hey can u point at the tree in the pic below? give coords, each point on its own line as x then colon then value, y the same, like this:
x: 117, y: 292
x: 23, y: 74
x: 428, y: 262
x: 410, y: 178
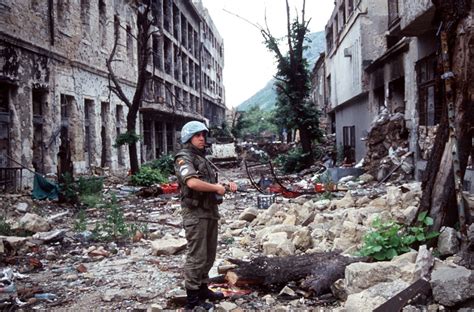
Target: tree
x: 145, y: 22
x: 254, y: 122
x: 442, y: 197
x: 294, y: 110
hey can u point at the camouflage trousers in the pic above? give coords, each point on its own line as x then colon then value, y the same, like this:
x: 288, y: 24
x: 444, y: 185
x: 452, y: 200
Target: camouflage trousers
x: 201, y: 235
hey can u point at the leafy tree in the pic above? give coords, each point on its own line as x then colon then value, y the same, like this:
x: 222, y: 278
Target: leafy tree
x: 145, y: 21
x: 294, y: 110
x: 254, y: 122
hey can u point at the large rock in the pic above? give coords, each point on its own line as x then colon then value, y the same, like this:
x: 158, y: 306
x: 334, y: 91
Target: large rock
x: 249, y: 214
x: 278, y: 244
x: 302, y: 239
x: 167, y: 246
x: 33, y: 223
x: 346, y: 202
x: 448, y: 243
x: 288, y: 229
x: 451, y: 284
x: 361, y: 275
x: 374, y: 296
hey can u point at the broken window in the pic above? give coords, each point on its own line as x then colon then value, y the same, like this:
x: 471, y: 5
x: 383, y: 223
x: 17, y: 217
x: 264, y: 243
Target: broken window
x: 169, y: 94
x: 85, y: 17
x: 185, y: 75
x: 169, y: 137
x: 104, y: 134
x: 429, y: 104
x: 64, y: 154
x: 177, y: 64
x: 168, y: 55
x: 159, y: 150
x: 117, y: 28
x: 102, y: 23
x: 147, y: 132
x: 129, y: 43
x: 167, y: 15
x: 39, y: 101
x: 184, y: 28
x: 63, y: 8
x: 157, y: 52
x: 329, y: 38
x: 118, y: 127
x: 88, y: 123
x: 4, y: 125
x: 348, y: 143
x: 393, y: 14
x: 176, y: 22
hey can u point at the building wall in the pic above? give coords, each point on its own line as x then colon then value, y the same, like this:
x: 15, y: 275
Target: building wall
x: 354, y: 39
x: 48, y: 61
x: 354, y: 115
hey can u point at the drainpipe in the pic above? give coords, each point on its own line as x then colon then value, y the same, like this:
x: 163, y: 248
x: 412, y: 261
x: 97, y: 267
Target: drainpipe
x: 51, y: 20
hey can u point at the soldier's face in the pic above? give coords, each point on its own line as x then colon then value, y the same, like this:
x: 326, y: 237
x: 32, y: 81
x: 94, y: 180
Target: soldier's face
x: 199, y: 140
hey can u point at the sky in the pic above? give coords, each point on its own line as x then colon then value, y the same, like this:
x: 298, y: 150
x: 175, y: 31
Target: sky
x: 248, y: 65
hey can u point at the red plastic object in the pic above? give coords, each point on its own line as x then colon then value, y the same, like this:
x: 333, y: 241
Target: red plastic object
x: 169, y: 188
x: 319, y: 187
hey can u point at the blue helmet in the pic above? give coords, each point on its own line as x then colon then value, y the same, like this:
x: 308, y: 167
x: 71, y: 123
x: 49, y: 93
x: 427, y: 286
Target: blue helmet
x: 190, y: 129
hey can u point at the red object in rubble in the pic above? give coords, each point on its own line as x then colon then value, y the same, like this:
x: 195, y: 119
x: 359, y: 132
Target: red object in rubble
x: 169, y: 188
x: 319, y: 187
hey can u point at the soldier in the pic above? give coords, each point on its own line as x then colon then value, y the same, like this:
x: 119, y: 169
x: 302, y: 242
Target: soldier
x: 200, y: 194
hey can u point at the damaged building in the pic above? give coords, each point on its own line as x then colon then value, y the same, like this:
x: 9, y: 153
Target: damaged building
x: 56, y: 107
x: 384, y: 89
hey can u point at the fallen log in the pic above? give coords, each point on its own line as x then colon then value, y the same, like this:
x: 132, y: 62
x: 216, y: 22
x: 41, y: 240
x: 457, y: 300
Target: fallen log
x: 320, y: 270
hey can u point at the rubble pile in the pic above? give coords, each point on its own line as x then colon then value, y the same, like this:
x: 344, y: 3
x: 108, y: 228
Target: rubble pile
x: 386, y: 145
x: 53, y: 265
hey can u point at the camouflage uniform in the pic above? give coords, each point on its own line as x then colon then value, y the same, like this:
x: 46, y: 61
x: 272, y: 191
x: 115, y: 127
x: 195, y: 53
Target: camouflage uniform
x: 200, y: 215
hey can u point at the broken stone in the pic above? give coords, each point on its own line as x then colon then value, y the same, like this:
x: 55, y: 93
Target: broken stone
x: 33, y: 223
x: 22, y: 207
x: 287, y: 291
x: 249, y: 214
x: 448, y: 243
x: 226, y: 306
x: 50, y: 236
x: 360, y: 275
x: 371, y: 298
x: 451, y: 284
x: 423, y: 264
x: 278, y: 245
x: 302, y: 239
x: 167, y: 246
x: 366, y: 178
x: 15, y: 241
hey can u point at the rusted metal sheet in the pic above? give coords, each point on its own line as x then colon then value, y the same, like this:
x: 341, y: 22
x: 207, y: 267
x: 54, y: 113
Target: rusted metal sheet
x: 397, y: 302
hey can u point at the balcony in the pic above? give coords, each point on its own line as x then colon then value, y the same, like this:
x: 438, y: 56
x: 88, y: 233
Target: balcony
x: 416, y: 16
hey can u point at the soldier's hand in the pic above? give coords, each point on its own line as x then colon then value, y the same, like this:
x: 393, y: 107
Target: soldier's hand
x: 232, y: 186
x: 220, y: 189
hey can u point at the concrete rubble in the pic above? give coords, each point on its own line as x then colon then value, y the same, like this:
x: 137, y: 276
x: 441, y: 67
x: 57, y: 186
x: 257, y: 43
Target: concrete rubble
x: 56, y: 267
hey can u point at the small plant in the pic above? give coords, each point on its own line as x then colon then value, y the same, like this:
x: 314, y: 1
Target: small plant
x: 115, y: 227
x: 90, y: 185
x: 68, y: 189
x: 148, y: 176
x: 5, y: 228
x: 80, y: 223
x: 91, y: 200
x: 389, y: 239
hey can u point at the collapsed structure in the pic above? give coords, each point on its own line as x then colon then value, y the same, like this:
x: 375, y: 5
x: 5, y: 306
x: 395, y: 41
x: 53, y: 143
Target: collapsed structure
x: 378, y: 84
x: 55, y: 101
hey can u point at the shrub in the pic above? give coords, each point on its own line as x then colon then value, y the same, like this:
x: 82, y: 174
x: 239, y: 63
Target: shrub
x: 294, y: 161
x: 164, y: 164
x: 148, y: 176
x: 389, y: 239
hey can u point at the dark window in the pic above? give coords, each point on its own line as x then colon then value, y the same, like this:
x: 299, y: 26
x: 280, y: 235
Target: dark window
x: 348, y: 142
x: 429, y: 103
x: 393, y: 14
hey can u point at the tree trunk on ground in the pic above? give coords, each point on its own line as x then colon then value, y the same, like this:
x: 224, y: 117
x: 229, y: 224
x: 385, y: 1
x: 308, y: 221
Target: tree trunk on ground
x: 439, y: 196
x: 320, y: 271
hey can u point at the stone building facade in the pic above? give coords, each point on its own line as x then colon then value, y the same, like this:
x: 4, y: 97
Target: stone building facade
x: 354, y: 37
x: 55, y: 101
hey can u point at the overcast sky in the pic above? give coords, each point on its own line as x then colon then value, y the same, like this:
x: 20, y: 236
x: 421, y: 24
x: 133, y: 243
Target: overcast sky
x: 248, y: 65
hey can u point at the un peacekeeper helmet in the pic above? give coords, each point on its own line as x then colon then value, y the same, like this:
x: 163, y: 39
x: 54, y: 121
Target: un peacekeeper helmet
x: 190, y: 129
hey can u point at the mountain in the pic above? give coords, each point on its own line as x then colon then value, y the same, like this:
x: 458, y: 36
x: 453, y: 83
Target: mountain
x: 266, y: 97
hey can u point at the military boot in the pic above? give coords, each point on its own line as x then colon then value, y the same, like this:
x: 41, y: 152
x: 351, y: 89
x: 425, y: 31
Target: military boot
x: 194, y: 303
x: 206, y: 293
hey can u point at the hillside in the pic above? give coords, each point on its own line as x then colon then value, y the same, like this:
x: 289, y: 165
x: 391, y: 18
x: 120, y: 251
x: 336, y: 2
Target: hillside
x: 266, y: 97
